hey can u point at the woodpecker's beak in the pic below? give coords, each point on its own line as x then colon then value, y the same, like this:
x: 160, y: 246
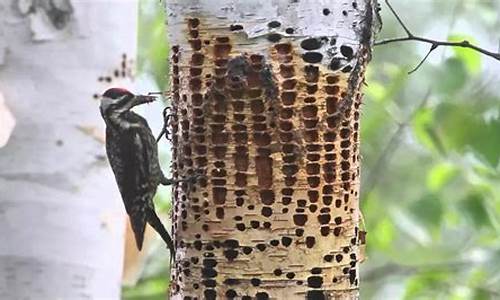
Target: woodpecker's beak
x: 141, y: 99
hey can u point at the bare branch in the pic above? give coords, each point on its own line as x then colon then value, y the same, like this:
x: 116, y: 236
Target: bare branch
x: 434, y: 43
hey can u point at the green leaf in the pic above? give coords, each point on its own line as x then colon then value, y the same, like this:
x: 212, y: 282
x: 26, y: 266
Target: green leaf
x: 440, y: 175
x: 473, y: 208
x: 470, y: 58
x: 428, y: 210
x: 452, y: 76
x: 383, y: 234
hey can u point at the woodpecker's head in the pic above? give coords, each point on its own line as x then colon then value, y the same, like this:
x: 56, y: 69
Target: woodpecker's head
x: 120, y: 100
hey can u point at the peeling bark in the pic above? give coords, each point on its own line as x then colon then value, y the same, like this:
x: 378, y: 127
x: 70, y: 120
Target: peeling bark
x: 266, y: 98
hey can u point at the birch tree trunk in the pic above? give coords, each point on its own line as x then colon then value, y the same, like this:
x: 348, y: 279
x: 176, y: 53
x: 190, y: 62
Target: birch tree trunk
x: 61, y: 217
x: 266, y: 97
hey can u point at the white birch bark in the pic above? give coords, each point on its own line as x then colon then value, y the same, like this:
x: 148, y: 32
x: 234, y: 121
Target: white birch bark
x: 61, y: 217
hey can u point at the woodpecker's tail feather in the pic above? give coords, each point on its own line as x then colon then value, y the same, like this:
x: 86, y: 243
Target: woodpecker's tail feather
x: 156, y: 223
x: 138, y: 222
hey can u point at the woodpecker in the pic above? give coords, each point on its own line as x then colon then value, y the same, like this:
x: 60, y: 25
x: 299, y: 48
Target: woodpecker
x: 132, y: 152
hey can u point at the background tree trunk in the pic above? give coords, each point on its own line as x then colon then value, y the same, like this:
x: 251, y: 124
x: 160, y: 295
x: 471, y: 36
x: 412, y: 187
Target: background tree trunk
x: 266, y: 98
x: 61, y: 218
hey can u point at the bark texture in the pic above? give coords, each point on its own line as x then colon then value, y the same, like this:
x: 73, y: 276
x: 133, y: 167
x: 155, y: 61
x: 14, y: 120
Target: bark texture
x: 61, y: 217
x: 266, y: 98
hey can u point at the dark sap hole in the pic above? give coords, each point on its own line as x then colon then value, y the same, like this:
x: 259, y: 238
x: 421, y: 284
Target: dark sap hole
x: 284, y: 210
x: 197, y: 59
x: 324, y: 230
x: 273, y: 24
x: 262, y: 139
x: 240, y: 137
x: 331, y: 104
x: 328, y: 190
x: 310, y: 241
x: 347, y: 69
x: 288, y: 98
x: 316, y: 271
x: 337, y: 231
x: 274, y: 243
x: 339, y: 257
x: 286, y: 125
x: 238, y: 218
x: 238, y: 117
x: 222, y: 39
x: 345, y: 165
x: 267, y: 197
x: 289, y: 30
x: 259, y: 118
x: 312, y: 169
x: 255, y: 224
x: 346, y: 51
x: 290, y: 275
x: 300, y: 210
x: 300, y: 219
x: 345, y: 176
x: 175, y: 48
x: 326, y: 11
x: 287, y: 71
x: 301, y: 203
x: 338, y: 203
x: 289, y: 84
x: 286, y: 241
x: 328, y: 258
x: 315, y: 281
x: 315, y: 295
x: 289, y: 158
x: 219, y: 212
x: 195, y: 44
x: 195, y: 84
x: 235, y: 27
x: 205, y: 227
x: 313, y: 157
x: 247, y: 250
x: 299, y: 232
x: 311, y: 89
x: 312, y: 57
x: 257, y: 106
x: 195, y: 71
x: 240, y: 201
x: 261, y: 296
x: 231, y: 243
x: 310, y: 44
x: 264, y: 171
x: 241, y: 179
x: 267, y: 225
x: 327, y: 200
x: 209, y: 282
x: 286, y: 113
x: 310, y: 111
x: 274, y: 37
x: 266, y: 211
x: 278, y: 272
x: 251, y: 207
x: 194, y: 22
x: 313, y: 208
x: 231, y: 294
x: 311, y: 73
x: 329, y: 167
x: 313, y: 181
x: 286, y: 200
x: 331, y: 156
x: 313, y: 196
x: 352, y: 276
x: 338, y: 220
x: 287, y: 191
x: 230, y: 254
x: 208, y: 272
x: 345, y: 144
x: 289, y: 170
x: 324, y: 218
x: 332, y: 79
x: 219, y: 172
x: 209, y: 263
x: 344, y: 12
x: 283, y: 48
x: 194, y: 33
x: 332, y: 89
x: 255, y: 281
x: 335, y: 64
x: 210, y: 294
x: 261, y: 247
x: 219, y: 194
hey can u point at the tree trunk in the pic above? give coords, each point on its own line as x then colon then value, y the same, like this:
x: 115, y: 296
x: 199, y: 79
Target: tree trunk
x: 61, y: 218
x: 266, y: 98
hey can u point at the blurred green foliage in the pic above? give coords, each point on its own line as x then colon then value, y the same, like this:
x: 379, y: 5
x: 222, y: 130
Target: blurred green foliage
x: 431, y: 152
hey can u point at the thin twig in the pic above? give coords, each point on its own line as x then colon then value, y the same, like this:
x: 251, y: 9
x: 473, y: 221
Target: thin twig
x: 434, y: 43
